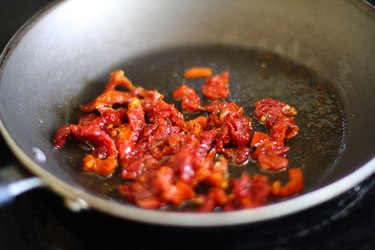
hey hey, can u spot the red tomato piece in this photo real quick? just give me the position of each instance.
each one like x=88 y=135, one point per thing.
x=61 y=136
x=96 y=136
x=103 y=167
x=163 y=113
x=216 y=87
x=292 y=187
x=278 y=117
x=136 y=115
x=237 y=155
x=258 y=139
x=118 y=78
x=194 y=72
x=107 y=100
x=105 y=161
x=250 y=191
x=190 y=100
x=269 y=162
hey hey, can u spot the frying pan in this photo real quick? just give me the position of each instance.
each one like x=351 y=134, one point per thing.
x=316 y=55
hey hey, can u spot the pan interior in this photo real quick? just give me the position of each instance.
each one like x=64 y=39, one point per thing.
x=254 y=74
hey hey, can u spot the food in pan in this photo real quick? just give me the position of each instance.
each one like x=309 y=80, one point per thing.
x=170 y=162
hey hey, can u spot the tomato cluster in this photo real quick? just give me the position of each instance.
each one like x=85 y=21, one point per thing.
x=168 y=161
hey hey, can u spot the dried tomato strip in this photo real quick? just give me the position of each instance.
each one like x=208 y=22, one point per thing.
x=136 y=115
x=190 y=100
x=61 y=136
x=292 y=187
x=194 y=72
x=107 y=100
x=105 y=160
x=126 y=139
x=118 y=78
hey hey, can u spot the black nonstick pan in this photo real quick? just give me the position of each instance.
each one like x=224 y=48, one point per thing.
x=315 y=55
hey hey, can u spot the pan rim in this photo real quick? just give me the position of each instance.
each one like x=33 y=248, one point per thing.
x=187 y=219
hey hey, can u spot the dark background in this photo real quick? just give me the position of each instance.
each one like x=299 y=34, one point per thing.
x=39 y=220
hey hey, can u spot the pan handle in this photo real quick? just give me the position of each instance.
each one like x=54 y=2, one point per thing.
x=11 y=184
x=14 y=181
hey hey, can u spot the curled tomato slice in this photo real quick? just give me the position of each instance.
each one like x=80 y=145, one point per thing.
x=292 y=187
x=105 y=160
x=190 y=100
x=107 y=100
x=118 y=78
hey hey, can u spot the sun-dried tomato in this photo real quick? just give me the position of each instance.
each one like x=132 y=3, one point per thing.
x=162 y=112
x=216 y=86
x=107 y=100
x=168 y=161
x=61 y=136
x=190 y=100
x=258 y=138
x=118 y=78
x=270 y=151
x=194 y=72
x=278 y=118
x=103 y=167
x=197 y=125
x=136 y=115
x=292 y=187
x=237 y=155
x=103 y=160
x=250 y=191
